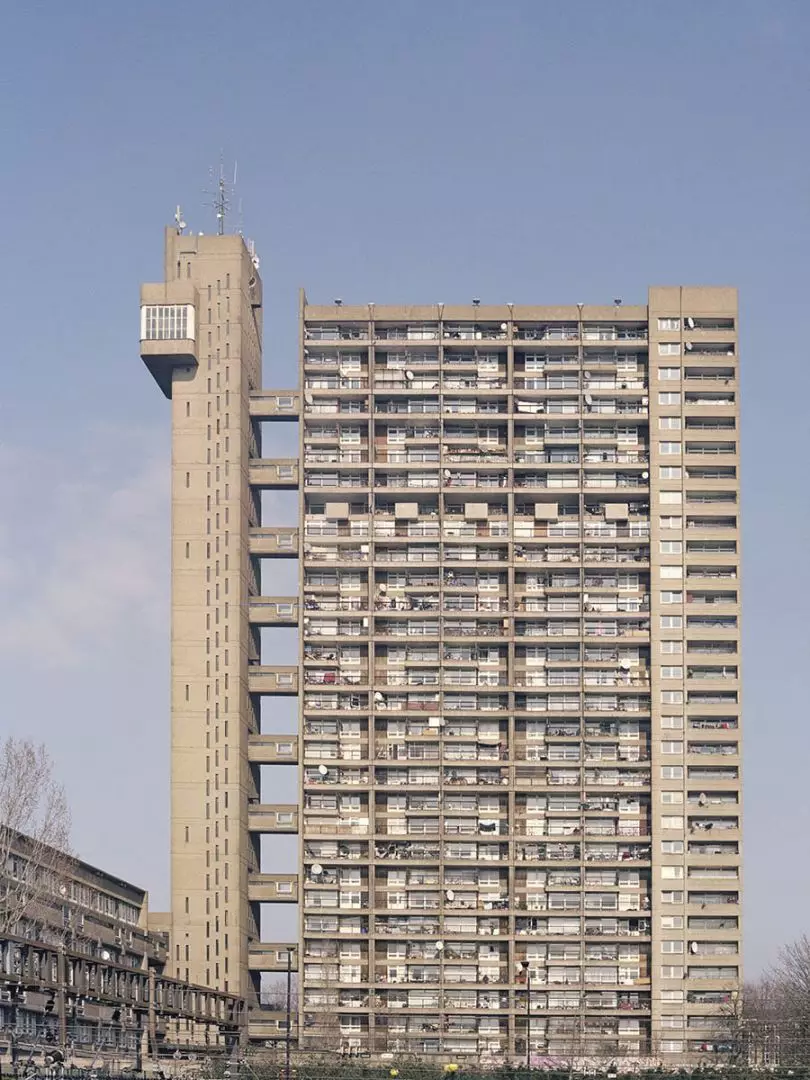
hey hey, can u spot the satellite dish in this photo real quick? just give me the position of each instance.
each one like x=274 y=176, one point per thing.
x=447 y=472
x=625 y=664
x=645 y=401
x=589 y=399
x=439 y=946
x=378 y=696
x=317 y=869
x=586 y=375
x=645 y=475
x=308 y=397
x=504 y=326
x=383 y=588
x=105 y=954
x=450 y=894
x=409 y=375
x=690 y=322
x=322 y=769
x=688 y=346
x=693 y=946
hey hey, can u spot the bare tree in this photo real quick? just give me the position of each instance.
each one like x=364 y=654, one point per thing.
x=319 y=1028
x=791 y=974
x=274 y=993
x=777 y=1008
x=34 y=834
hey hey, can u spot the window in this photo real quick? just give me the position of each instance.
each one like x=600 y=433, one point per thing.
x=671 y=448
x=669 y=896
x=671 y=971
x=670 y=521
x=670 y=374
x=669 y=348
x=672 y=997
x=670 y=547
x=670 y=472
x=668 y=672
x=671 y=747
x=672 y=772
x=671 y=571
x=672 y=1046
x=671 y=821
x=671 y=596
x=671 y=946
x=167 y=322
x=672 y=697
x=669 y=322
x=671 y=922
x=671 y=622
x=669 y=397
x=672 y=798
x=672 y=847
x=671 y=873
x=670 y=647
x=670 y=496
x=669 y=423
x=672 y=723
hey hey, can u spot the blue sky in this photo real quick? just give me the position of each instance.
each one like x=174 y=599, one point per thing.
x=533 y=152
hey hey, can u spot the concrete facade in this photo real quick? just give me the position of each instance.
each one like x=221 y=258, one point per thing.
x=518 y=676
x=209 y=374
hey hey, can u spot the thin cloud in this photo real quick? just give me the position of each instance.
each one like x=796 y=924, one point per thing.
x=83 y=553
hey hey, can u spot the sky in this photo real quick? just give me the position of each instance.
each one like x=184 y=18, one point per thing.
x=432 y=150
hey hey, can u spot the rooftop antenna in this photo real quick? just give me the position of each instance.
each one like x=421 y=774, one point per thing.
x=239 y=214
x=178 y=220
x=220 y=198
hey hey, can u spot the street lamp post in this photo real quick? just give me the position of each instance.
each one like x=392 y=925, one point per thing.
x=527 y=969
x=287 y=1032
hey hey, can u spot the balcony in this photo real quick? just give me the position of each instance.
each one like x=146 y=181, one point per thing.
x=273 y=474
x=273 y=818
x=275 y=404
x=321 y=527
x=338 y=331
x=264 y=679
x=272 y=889
x=336 y=456
x=273 y=749
x=266 y=956
x=548 y=332
x=273 y=610
x=274 y=543
x=335 y=677
x=335 y=480
x=355 y=408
